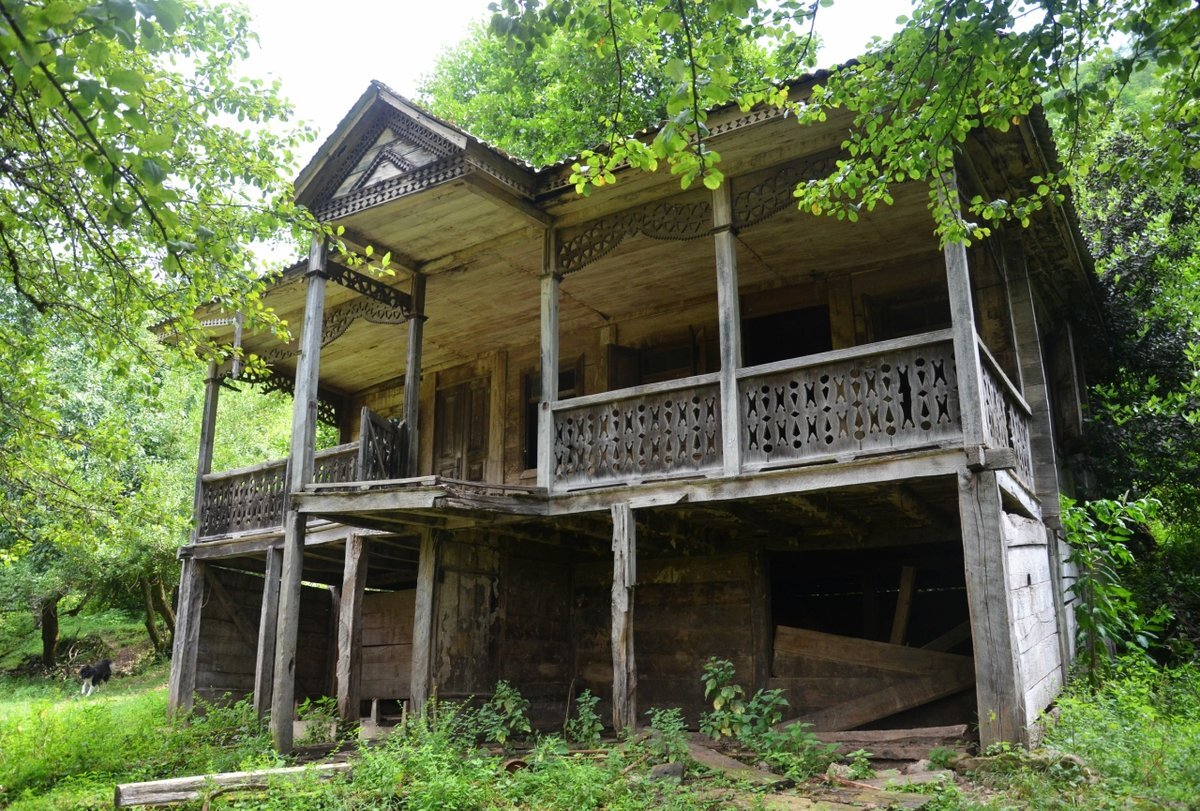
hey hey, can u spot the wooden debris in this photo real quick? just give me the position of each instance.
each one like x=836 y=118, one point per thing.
x=185 y=789
x=736 y=770
x=897 y=744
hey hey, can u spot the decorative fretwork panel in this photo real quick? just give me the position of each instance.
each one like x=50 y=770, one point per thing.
x=381 y=447
x=890 y=400
x=255 y=498
x=639 y=436
x=1006 y=422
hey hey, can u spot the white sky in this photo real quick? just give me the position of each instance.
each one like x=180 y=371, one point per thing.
x=326 y=60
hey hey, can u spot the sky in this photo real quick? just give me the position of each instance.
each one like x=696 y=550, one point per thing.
x=325 y=61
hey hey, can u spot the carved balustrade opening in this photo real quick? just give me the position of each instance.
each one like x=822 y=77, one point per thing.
x=1006 y=416
x=652 y=431
x=894 y=395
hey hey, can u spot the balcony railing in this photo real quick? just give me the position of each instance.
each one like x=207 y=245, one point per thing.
x=882 y=397
x=653 y=431
x=1006 y=416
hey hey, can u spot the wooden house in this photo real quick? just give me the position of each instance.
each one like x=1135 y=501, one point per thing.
x=590 y=442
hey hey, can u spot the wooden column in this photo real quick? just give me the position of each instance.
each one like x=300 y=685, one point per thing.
x=182 y=685
x=1035 y=389
x=300 y=470
x=1001 y=700
x=730 y=328
x=549 y=343
x=624 y=547
x=966 y=346
x=191 y=580
x=422 y=642
x=349 y=629
x=412 y=377
x=264 y=665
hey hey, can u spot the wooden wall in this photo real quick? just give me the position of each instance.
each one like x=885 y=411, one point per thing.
x=228 y=639
x=536 y=639
x=686 y=609
x=1033 y=606
x=387 y=627
x=466 y=613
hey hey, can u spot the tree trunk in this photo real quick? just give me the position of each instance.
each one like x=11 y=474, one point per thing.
x=48 y=616
x=163 y=605
x=151 y=624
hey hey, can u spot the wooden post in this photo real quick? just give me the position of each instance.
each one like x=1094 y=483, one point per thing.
x=904 y=598
x=624 y=547
x=761 y=627
x=182 y=685
x=730 y=328
x=349 y=635
x=300 y=470
x=549 y=343
x=422 y=642
x=412 y=377
x=191 y=580
x=1001 y=701
x=1041 y=431
x=264 y=665
x=966 y=346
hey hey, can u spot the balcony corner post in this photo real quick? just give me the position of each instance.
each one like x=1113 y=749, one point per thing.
x=412 y=377
x=962 y=324
x=300 y=471
x=730 y=327
x=551 y=279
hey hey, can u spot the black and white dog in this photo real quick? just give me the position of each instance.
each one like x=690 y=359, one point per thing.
x=95 y=675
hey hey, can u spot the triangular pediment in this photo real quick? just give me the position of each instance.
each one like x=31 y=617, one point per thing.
x=387 y=145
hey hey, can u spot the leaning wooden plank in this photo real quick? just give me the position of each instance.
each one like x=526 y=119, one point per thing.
x=862 y=796
x=951 y=732
x=956 y=635
x=185 y=789
x=900 y=696
x=735 y=770
x=799 y=644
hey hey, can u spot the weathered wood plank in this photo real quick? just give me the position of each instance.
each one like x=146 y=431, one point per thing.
x=807 y=644
x=187 y=789
x=549 y=360
x=423 y=621
x=904 y=600
x=903 y=694
x=349 y=629
x=412 y=376
x=729 y=327
x=268 y=619
x=735 y=770
x=625 y=677
x=182 y=683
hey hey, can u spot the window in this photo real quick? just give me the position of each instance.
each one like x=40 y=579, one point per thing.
x=790 y=334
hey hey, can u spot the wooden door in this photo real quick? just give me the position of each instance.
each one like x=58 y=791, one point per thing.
x=461 y=430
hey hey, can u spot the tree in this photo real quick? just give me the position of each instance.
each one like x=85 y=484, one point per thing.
x=955 y=65
x=539 y=102
x=135 y=175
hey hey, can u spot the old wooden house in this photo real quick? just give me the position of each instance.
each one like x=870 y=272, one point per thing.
x=590 y=442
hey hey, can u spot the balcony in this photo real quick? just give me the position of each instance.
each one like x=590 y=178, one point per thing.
x=880 y=398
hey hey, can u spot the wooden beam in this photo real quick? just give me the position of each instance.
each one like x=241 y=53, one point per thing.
x=729 y=328
x=827 y=515
x=958 y=634
x=482 y=185
x=300 y=471
x=1000 y=698
x=549 y=356
x=800 y=645
x=901 y=695
x=624 y=548
x=264 y=664
x=368 y=286
x=962 y=325
x=423 y=622
x=904 y=600
x=208 y=433
x=412 y=378
x=182 y=684
x=915 y=508
x=349 y=629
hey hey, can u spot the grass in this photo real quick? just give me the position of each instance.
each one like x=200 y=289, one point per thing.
x=82 y=637
x=1139 y=734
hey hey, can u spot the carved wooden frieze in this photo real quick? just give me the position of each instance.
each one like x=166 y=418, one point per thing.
x=585 y=244
x=774 y=193
x=328 y=408
x=433 y=174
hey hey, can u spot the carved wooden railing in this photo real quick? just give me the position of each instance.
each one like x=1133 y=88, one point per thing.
x=381 y=448
x=255 y=497
x=658 y=430
x=881 y=397
x=1006 y=415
